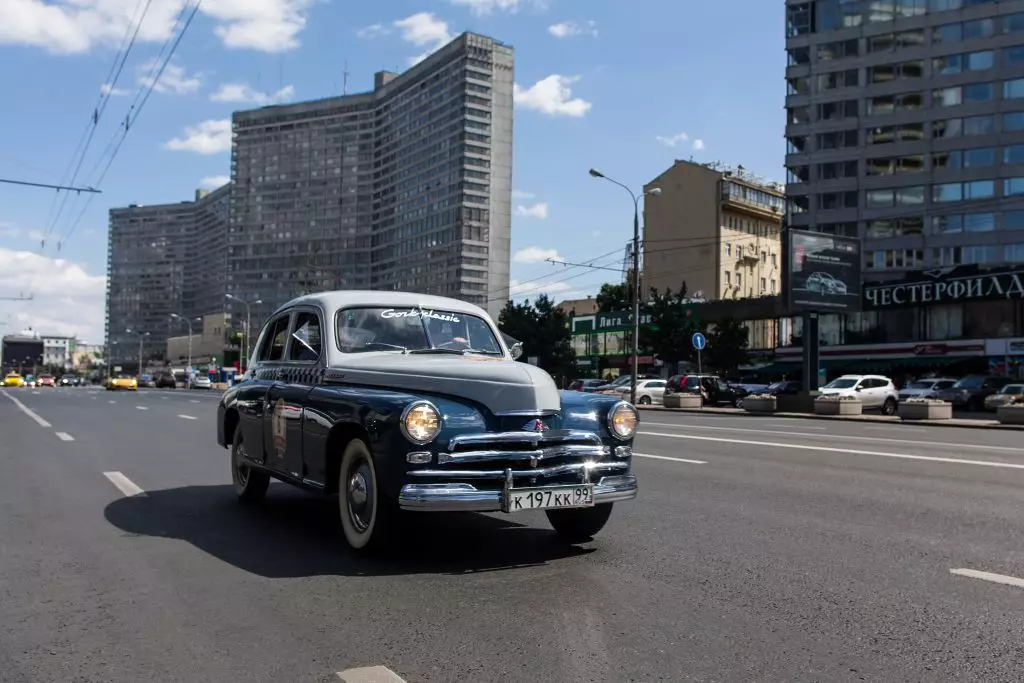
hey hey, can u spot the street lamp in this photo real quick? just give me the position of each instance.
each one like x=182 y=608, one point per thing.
x=141 y=336
x=654 y=192
x=248 y=322
x=188 y=322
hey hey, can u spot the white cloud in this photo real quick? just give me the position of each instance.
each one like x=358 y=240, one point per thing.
x=552 y=96
x=481 y=7
x=107 y=89
x=698 y=144
x=36 y=235
x=78 y=26
x=567 y=29
x=424 y=29
x=66 y=299
x=173 y=80
x=537 y=255
x=538 y=211
x=672 y=140
x=243 y=93
x=214 y=181
x=562 y=290
x=209 y=137
x=519 y=194
x=373 y=31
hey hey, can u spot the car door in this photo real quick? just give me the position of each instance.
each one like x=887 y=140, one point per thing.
x=252 y=394
x=287 y=397
x=874 y=392
x=656 y=389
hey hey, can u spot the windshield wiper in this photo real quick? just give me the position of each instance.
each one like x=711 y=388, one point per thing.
x=457 y=352
x=385 y=345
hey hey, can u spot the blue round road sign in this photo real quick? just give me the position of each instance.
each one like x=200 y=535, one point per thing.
x=699 y=342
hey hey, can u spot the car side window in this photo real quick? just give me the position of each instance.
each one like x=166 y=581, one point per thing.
x=305 y=346
x=273 y=345
x=656 y=384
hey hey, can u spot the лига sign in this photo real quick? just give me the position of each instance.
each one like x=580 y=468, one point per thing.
x=946 y=285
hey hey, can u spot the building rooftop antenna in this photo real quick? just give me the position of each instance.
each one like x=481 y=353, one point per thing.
x=344 y=79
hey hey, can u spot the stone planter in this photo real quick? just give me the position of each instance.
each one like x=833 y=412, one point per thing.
x=1010 y=415
x=690 y=401
x=838 y=407
x=759 y=405
x=939 y=410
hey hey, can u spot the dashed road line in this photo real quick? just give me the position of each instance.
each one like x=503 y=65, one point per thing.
x=988 y=576
x=370 y=674
x=665 y=457
x=111 y=401
x=187 y=417
x=64 y=436
x=125 y=485
x=28 y=411
x=193 y=400
x=141 y=408
x=849 y=451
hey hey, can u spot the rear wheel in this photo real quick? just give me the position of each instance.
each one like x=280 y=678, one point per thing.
x=367 y=517
x=889 y=407
x=737 y=402
x=644 y=400
x=580 y=525
x=250 y=484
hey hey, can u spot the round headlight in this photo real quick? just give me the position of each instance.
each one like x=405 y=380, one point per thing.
x=421 y=422
x=623 y=420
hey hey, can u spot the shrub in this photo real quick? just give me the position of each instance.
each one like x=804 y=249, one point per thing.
x=835 y=397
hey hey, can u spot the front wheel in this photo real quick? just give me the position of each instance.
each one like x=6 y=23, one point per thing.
x=367 y=517
x=644 y=400
x=738 y=402
x=580 y=525
x=250 y=484
x=889 y=407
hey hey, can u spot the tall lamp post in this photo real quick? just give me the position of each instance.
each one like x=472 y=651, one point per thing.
x=654 y=192
x=188 y=322
x=248 y=322
x=142 y=336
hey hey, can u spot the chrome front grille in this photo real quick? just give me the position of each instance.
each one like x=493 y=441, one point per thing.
x=552 y=454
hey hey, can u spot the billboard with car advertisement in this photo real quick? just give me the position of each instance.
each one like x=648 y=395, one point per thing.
x=823 y=272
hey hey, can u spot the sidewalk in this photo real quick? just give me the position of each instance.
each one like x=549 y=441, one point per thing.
x=963 y=423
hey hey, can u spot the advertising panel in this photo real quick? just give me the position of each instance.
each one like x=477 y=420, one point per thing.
x=823 y=272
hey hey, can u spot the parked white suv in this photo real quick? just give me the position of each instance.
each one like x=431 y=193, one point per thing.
x=875 y=391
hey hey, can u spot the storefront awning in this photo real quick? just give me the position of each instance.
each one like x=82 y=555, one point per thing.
x=871 y=365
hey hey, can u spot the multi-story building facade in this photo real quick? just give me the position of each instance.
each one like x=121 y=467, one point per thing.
x=906 y=128
x=716 y=229
x=58 y=351
x=406 y=187
x=162 y=260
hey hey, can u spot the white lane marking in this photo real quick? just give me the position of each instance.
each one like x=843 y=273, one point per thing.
x=141 y=408
x=745 y=420
x=828 y=449
x=665 y=457
x=902 y=428
x=988 y=576
x=64 y=436
x=194 y=400
x=35 y=393
x=164 y=397
x=125 y=485
x=28 y=411
x=187 y=417
x=844 y=437
x=370 y=674
x=110 y=401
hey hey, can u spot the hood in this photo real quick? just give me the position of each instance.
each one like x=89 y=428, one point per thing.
x=500 y=384
x=920 y=392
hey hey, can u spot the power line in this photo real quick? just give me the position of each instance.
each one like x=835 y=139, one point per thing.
x=47 y=185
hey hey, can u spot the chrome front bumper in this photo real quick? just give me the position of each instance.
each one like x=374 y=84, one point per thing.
x=467 y=498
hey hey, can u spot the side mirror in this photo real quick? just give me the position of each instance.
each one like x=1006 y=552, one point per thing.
x=516 y=350
x=858 y=388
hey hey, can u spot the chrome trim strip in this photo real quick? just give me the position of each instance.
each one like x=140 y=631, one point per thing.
x=405 y=414
x=552 y=471
x=526 y=413
x=467 y=498
x=533 y=438
x=563 y=451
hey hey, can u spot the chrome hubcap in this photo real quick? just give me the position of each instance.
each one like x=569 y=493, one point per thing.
x=360 y=496
x=241 y=469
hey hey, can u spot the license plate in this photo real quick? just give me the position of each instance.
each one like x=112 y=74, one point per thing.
x=551 y=498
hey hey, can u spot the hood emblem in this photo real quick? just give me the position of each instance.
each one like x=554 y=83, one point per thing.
x=535 y=426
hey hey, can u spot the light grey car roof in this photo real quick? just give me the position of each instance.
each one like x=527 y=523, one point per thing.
x=332 y=301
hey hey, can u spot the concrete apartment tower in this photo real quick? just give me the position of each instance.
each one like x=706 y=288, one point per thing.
x=405 y=187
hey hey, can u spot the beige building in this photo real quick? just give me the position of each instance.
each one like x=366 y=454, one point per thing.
x=578 y=307
x=718 y=229
x=209 y=340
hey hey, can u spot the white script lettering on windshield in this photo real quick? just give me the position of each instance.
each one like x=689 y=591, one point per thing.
x=420 y=313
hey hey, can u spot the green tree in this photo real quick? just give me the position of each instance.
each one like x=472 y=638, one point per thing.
x=614 y=297
x=669 y=337
x=727 y=346
x=544 y=329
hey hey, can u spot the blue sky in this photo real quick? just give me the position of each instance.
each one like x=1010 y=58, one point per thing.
x=622 y=86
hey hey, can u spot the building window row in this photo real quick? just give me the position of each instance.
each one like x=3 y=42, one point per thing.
x=980 y=157
x=916 y=195
x=820 y=16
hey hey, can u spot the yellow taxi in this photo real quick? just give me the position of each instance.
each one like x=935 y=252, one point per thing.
x=14 y=380
x=124 y=382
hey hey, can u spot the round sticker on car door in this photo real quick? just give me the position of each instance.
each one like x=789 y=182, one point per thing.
x=279 y=427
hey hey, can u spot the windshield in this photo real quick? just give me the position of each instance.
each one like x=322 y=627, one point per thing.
x=620 y=380
x=841 y=384
x=1012 y=389
x=413 y=329
x=969 y=383
x=925 y=384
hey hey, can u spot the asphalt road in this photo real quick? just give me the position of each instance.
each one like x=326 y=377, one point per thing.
x=762 y=549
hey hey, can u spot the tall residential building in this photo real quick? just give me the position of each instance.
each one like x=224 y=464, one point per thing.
x=163 y=259
x=405 y=187
x=717 y=229
x=906 y=127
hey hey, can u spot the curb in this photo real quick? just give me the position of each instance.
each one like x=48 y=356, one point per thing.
x=839 y=418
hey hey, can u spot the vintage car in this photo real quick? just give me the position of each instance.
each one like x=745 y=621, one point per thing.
x=405 y=402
